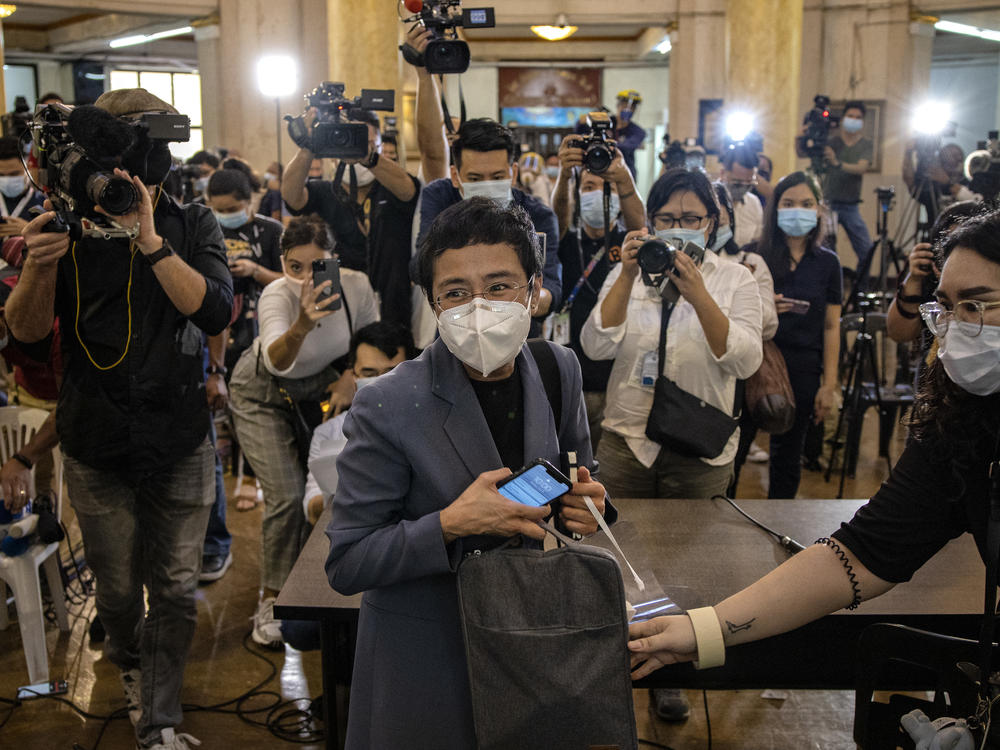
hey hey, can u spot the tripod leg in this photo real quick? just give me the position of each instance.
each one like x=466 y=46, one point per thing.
x=852 y=364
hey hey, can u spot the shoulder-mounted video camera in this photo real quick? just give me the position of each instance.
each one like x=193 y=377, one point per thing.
x=686 y=154
x=445 y=53
x=78 y=150
x=599 y=146
x=819 y=122
x=982 y=167
x=331 y=135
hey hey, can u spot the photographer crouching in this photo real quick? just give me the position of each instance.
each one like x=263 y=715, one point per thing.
x=134 y=290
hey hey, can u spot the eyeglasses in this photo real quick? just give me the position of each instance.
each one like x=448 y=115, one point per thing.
x=687 y=221
x=968 y=311
x=502 y=291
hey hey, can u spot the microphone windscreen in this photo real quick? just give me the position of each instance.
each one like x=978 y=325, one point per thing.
x=102 y=135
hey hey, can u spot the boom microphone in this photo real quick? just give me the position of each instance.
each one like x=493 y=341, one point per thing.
x=100 y=133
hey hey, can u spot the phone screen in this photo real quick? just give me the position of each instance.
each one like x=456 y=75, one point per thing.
x=535 y=486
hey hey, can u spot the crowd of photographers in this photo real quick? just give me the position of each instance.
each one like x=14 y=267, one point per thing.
x=276 y=295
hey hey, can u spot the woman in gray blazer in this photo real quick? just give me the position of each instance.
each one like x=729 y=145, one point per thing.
x=426 y=445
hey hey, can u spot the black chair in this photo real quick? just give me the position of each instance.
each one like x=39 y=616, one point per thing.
x=897 y=657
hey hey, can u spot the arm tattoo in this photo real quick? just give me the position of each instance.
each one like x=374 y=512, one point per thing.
x=733 y=628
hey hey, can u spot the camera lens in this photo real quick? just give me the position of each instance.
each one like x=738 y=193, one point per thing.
x=598 y=158
x=116 y=195
x=656 y=256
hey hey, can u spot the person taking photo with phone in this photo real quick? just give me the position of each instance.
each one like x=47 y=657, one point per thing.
x=427 y=444
x=279 y=382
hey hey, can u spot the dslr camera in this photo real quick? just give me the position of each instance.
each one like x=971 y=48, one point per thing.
x=445 y=53
x=331 y=135
x=599 y=146
x=78 y=150
x=819 y=122
x=657 y=257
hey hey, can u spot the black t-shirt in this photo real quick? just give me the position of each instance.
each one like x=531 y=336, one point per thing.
x=838 y=185
x=575 y=253
x=258 y=240
x=502 y=402
x=925 y=503
x=385 y=253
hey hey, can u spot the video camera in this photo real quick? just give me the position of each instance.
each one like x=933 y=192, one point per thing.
x=445 y=53
x=982 y=167
x=686 y=154
x=598 y=147
x=78 y=150
x=331 y=136
x=819 y=122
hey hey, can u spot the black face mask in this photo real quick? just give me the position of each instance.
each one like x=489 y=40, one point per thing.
x=149 y=161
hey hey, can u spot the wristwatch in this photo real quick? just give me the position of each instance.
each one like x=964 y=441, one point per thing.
x=164 y=251
x=217 y=370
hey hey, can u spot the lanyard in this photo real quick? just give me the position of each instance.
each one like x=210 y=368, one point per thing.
x=19 y=207
x=598 y=255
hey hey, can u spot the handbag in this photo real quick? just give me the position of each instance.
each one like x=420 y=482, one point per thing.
x=544 y=636
x=682 y=422
x=769 y=397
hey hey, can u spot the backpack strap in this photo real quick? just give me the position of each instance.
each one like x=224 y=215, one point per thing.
x=548 y=368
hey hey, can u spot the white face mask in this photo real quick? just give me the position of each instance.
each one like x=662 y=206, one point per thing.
x=485 y=335
x=592 y=208
x=495 y=190
x=360 y=383
x=13 y=185
x=363 y=175
x=972 y=362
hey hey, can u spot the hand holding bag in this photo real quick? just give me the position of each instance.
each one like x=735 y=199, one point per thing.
x=683 y=422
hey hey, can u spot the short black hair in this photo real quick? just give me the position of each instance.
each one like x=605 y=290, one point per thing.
x=951 y=217
x=238 y=164
x=483 y=134
x=51 y=95
x=770 y=165
x=367 y=116
x=725 y=202
x=387 y=337
x=476 y=221
x=391 y=138
x=9 y=148
x=307 y=230
x=855 y=104
x=739 y=154
x=690 y=180
x=204 y=157
x=229 y=182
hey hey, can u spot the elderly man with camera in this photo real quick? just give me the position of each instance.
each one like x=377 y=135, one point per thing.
x=135 y=290
x=369 y=206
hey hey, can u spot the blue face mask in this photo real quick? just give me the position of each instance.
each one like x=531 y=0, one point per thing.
x=233 y=220
x=722 y=238
x=852 y=124
x=680 y=237
x=796 y=222
x=592 y=208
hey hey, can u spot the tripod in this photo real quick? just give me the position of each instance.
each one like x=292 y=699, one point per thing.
x=861 y=358
x=890 y=253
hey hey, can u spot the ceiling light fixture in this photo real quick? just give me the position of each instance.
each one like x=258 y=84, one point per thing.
x=961 y=28
x=129 y=41
x=7 y=9
x=555 y=33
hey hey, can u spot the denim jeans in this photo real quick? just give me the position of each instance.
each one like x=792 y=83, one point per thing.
x=849 y=217
x=218 y=540
x=146 y=529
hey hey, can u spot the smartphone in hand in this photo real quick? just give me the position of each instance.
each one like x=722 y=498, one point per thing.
x=799 y=306
x=327 y=269
x=537 y=484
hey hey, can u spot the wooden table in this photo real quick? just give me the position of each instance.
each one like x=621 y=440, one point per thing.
x=700 y=551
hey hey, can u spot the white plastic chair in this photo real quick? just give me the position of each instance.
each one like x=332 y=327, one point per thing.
x=21 y=573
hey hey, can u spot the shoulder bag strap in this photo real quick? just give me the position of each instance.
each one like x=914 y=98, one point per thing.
x=548 y=369
x=666 y=309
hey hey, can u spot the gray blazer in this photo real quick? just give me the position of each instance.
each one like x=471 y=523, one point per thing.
x=416 y=439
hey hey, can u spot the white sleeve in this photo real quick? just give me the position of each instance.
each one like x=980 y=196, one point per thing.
x=744 y=345
x=364 y=308
x=275 y=314
x=765 y=283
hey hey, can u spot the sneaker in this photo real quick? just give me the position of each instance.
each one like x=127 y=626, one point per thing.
x=757 y=455
x=669 y=704
x=266 y=629
x=171 y=741
x=132 y=686
x=213 y=567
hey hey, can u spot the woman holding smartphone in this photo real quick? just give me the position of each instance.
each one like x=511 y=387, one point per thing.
x=304 y=334
x=807 y=285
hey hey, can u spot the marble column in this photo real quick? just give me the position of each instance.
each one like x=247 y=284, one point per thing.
x=363 y=44
x=697 y=63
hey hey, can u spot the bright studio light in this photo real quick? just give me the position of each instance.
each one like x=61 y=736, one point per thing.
x=932 y=118
x=130 y=41
x=739 y=125
x=277 y=75
x=556 y=33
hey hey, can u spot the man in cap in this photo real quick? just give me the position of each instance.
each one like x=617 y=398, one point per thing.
x=133 y=417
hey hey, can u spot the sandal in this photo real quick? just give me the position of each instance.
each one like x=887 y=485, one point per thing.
x=249 y=497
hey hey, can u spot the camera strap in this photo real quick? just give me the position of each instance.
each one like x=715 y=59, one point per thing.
x=444 y=107
x=606 y=250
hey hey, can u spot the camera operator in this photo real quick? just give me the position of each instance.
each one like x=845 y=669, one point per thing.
x=431 y=137
x=202 y=166
x=372 y=229
x=628 y=135
x=739 y=174
x=935 y=176
x=579 y=245
x=132 y=416
x=848 y=156
x=17 y=196
x=483 y=165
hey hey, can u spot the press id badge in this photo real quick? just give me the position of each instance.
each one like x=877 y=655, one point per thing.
x=646 y=370
x=560 y=328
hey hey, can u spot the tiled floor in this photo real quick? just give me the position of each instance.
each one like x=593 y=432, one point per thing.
x=222 y=666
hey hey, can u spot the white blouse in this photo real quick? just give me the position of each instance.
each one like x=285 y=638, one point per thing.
x=330 y=339
x=690 y=361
